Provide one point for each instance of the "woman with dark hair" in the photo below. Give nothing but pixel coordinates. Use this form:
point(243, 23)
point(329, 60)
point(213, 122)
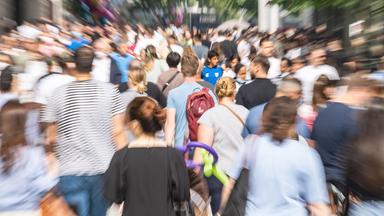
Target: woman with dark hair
point(365, 171)
point(241, 76)
point(152, 64)
point(24, 178)
point(285, 176)
point(148, 176)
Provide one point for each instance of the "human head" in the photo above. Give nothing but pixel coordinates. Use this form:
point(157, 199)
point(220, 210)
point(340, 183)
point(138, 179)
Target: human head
point(150, 53)
point(285, 65)
point(102, 45)
point(234, 60)
point(317, 56)
point(266, 47)
point(137, 80)
point(173, 59)
point(84, 59)
point(297, 64)
point(197, 39)
point(259, 67)
point(225, 87)
point(144, 116)
point(360, 89)
point(241, 71)
point(189, 63)
point(365, 160)
point(13, 117)
point(7, 80)
point(322, 90)
point(279, 118)
point(289, 87)
point(213, 58)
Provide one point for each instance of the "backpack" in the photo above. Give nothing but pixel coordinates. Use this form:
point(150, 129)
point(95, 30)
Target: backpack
point(197, 104)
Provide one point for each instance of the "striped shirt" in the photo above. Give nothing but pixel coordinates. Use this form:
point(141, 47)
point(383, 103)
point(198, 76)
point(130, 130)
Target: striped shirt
point(83, 111)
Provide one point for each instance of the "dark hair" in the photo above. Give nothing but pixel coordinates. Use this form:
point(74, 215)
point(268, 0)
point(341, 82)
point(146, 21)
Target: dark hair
point(150, 51)
point(319, 96)
point(278, 117)
point(84, 58)
point(6, 79)
point(289, 62)
point(264, 39)
point(173, 59)
point(212, 53)
point(238, 68)
point(261, 61)
point(365, 156)
point(150, 120)
point(235, 56)
point(13, 116)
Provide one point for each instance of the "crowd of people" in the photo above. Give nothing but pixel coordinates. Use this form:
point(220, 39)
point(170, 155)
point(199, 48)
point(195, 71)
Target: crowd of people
point(98, 115)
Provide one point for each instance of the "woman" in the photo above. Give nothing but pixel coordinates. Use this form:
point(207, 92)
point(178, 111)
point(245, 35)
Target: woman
point(147, 176)
point(366, 163)
point(220, 127)
point(285, 176)
point(241, 75)
point(152, 64)
point(24, 178)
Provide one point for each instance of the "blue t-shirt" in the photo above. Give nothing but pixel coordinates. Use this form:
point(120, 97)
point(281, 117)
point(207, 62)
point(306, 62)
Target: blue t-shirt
point(123, 64)
point(253, 123)
point(211, 75)
point(283, 177)
point(332, 129)
point(77, 43)
point(177, 99)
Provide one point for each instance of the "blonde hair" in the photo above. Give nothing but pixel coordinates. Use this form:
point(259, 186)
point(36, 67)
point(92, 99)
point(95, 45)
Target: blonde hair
point(225, 87)
point(138, 78)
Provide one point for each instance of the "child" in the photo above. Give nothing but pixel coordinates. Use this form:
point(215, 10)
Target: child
point(211, 72)
point(241, 76)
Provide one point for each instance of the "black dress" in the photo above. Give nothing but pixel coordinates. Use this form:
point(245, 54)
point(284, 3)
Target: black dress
point(147, 180)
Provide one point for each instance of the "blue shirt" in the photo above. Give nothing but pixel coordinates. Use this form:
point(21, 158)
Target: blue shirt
point(77, 43)
point(253, 123)
point(211, 75)
point(122, 63)
point(177, 99)
point(22, 188)
point(283, 177)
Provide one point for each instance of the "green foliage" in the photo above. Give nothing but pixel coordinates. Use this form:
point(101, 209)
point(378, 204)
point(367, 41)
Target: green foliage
point(298, 5)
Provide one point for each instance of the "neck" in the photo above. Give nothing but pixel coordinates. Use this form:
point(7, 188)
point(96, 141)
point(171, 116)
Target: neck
point(261, 75)
point(226, 100)
point(83, 76)
point(189, 79)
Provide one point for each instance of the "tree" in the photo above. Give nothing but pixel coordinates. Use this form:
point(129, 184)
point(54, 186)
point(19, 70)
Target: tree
point(298, 5)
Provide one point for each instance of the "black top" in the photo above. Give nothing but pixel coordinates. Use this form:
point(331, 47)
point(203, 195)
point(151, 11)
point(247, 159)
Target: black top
point(147, 180)
point(259, 91)
point(153, 91)
point(332, 129)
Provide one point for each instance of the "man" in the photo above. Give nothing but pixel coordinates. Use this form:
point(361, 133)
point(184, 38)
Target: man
point(105, 69)
point(267, 50)
point(174, 46)
point(172, 78)
point(336, 124)
point(289, 87)
point(122, 59)
point(261, 89)
point(200, 49)
point(85, 124)
point(176, 123)
point(317, 67)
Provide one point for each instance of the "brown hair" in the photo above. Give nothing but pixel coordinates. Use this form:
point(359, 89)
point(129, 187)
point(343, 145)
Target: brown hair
point(189, 62)
point(225, 87)
point(278, 117)
point(12, 123)
point(150, 118)
point(319, 96)
point(262, 61)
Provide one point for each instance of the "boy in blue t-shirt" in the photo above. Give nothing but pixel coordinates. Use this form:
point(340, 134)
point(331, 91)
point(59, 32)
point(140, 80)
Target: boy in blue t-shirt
point(211, 72)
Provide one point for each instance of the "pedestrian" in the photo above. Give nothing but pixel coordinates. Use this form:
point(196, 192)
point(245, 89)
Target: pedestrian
point(173, 77)
point(267, 50)
point(153, 65)
point(212, 71)
point(261, 89)
point(85, 125)
point(148, 176)
point(285, 176)
point(214, 131)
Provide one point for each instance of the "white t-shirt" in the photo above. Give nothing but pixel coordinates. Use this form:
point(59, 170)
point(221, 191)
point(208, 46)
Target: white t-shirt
point(176, 48)
point(308, 76)
point(101, 69)
point(274, 68)
point(49, 84)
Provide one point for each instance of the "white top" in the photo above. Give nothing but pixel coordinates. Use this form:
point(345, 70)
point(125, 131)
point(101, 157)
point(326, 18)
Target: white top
point(176, 48)
point(274, 68)
point(308, 76)
point(49, 84)
point(101, 69)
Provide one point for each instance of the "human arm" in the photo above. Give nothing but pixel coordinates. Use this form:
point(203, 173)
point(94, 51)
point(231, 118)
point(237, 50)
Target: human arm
point(204, 135)
point(170, 125)
point(118, 131)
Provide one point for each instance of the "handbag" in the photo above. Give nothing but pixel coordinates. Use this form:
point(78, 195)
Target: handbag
point(53, 204)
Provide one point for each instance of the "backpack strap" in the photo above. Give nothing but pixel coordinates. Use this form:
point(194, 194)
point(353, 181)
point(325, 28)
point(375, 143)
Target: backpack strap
point(237, 116)
point(169, 81)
